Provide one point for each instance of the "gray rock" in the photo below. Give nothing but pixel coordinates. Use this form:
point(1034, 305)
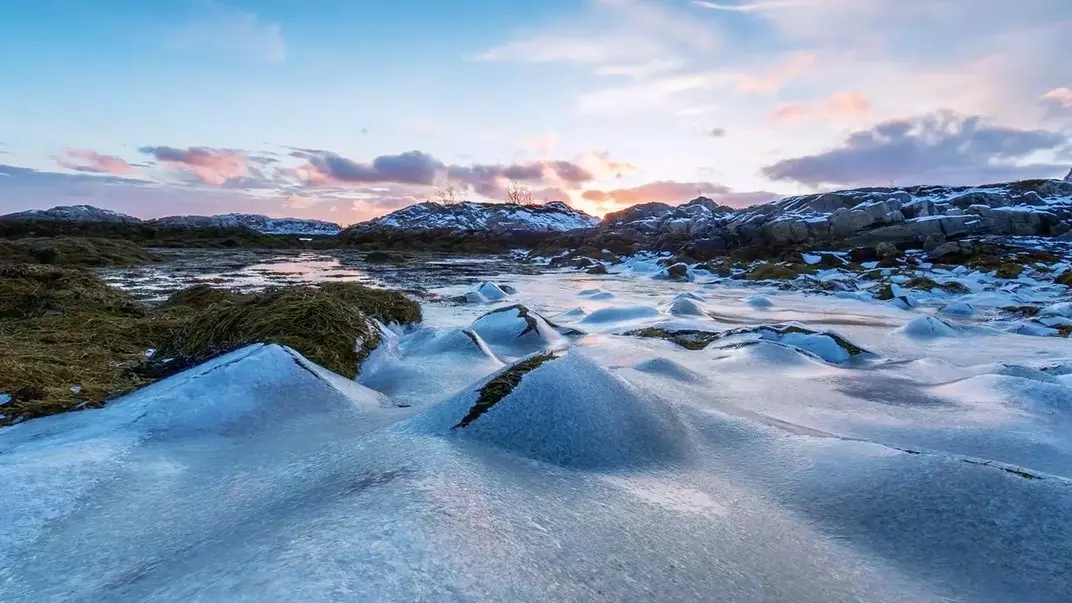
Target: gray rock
point(887, 251)
point(932, 242)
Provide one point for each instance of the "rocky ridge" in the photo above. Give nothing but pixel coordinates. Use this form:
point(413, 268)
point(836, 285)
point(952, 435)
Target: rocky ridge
point(88, 214)
point(925, 216)
point(263, 224)
point(491, 218)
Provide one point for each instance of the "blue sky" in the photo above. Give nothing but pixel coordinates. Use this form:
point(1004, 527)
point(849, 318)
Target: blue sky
point(345, 110)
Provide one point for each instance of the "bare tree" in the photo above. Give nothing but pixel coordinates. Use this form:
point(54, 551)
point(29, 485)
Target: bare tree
point(518, 194)
point(448, 195)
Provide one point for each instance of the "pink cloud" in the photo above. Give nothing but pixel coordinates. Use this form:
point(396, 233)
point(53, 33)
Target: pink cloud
point(772, 80)
point(209, 165)
point(1061, 97)
point(842, 105)
point(85, 160)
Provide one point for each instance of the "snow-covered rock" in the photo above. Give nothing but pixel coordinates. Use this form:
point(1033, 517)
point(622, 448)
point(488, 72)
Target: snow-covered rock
point(865, 215)
point(72, 213)
point(492, 218)
point(264, 224)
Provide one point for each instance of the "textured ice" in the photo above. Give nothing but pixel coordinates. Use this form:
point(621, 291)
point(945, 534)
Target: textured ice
point(759, 301)
point(760, 468)
point(928, 326)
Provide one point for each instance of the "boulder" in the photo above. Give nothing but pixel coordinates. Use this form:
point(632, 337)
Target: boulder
point(887, 251)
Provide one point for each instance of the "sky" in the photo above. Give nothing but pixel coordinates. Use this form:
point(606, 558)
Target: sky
point(345, 110)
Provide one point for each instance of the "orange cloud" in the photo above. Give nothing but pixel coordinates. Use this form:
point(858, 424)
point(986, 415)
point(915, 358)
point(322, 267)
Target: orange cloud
point(85, 160)
point(842, 105)
point(772, 80)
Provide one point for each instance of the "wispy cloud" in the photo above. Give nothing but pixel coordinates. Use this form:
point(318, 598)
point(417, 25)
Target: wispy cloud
point(631, 38)
point(772, 80)
point(85, 160)
point(657, 93)
point(750, 7)
point(223, 29)
point(841, 105)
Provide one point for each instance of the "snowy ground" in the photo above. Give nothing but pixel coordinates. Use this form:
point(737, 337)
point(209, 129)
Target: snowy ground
point(866, 452)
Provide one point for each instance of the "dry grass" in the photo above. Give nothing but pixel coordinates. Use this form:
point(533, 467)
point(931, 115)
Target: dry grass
point(74, 251)
point(329, 325)
point(69, 341)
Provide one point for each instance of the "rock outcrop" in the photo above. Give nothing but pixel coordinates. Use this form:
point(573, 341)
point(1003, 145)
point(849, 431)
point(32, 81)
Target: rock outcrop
point(81, 213)
point(918, 215)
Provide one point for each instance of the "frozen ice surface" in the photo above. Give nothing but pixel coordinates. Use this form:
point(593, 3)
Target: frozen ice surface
point(759, 468)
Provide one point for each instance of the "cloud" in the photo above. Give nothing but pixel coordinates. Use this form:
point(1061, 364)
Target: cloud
point(491, 180)
point(631, 38)
point(656, 93)
point(664, 191)
point(85, 160)
point(717, 132)
point(640, 71)
point(772, 80)
point(222, 29)
point(938, 148)
point(1059, 97)
point(25, 188)
point(841, 105)
point(602, 166)
point(208, 165)
point(411, 167)
point(565, 49)
point(747, 198)
point(749, 7)
point(673, 193)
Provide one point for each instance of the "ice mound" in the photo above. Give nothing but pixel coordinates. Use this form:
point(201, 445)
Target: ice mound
point(693, 295)
point(684, 306)
point(486, 292)
point(419, 368)
point(1032, 329)
point(568, 411)
point(759, 301)
point(664, 367)
point(571, 314)
point(1059, 309)
point(620, 314)
point(927, 327)
point(520, 329)
point(264, 390)
point(595, 294)
point(958, 308)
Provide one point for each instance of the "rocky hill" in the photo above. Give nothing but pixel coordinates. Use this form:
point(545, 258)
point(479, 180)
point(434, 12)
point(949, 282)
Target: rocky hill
point(492, 218)
point(263, 224)
point(89, 215)
point(923, 215)
point(80, 213)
